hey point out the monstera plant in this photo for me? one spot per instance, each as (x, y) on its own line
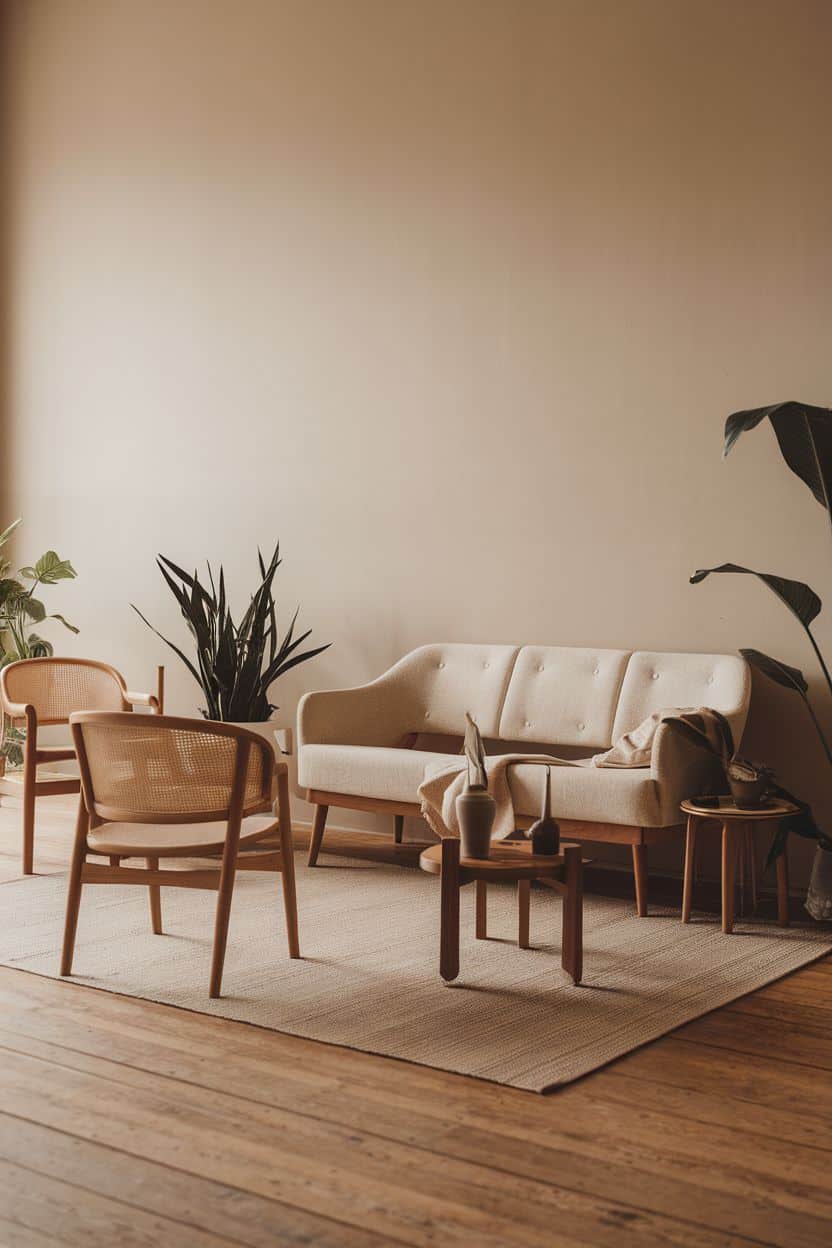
(20, 610)
(804, 436)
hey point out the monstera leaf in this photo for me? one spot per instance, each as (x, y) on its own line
(804, 435)
(790, 678)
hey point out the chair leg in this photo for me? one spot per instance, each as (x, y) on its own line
(224, 895)
(73, 896)
(783, 889)
(572, 946)
(640, 876)
(449, 918)
(155, 899)
(690, 855)
(482, 909)
(398, 832)
(29, 778)
(524, 896)
(287, 868)
(317, 834)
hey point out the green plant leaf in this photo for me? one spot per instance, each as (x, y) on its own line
(65, 622)
(801, 600)
(6, 534)
(10, 591)
(37, 647)
(804, 435)
(780, 673)
(51, 568)
(34, 609)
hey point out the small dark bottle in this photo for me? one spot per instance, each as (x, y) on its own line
(544, 834)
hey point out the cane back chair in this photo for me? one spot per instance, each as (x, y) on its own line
(37, 692)
(159, 787)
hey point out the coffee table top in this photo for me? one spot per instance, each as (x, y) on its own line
(773, 808)
(507, 860)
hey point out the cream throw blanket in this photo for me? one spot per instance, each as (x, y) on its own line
(443, 782)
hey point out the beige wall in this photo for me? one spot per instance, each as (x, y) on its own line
(451, 296)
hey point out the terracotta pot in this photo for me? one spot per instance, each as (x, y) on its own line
(475, 810)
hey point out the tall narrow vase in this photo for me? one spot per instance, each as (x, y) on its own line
(475, 811)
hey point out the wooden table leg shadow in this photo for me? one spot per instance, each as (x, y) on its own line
(509, 861)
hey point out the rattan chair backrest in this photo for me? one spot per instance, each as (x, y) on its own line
(162, 769)
(56, 687)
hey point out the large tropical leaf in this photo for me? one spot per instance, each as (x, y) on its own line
(804, 435)
(781, 673)
(64, 621)
(802, 601)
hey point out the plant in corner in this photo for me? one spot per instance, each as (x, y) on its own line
(19, 610)
(804, 436)
(234, 664)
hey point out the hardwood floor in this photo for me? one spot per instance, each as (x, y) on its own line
(127, 1123)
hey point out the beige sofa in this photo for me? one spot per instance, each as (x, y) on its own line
(362, 747)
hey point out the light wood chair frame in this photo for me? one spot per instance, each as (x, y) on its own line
(33, 754)
(268, 853)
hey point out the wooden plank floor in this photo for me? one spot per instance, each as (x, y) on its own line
(128, 1123)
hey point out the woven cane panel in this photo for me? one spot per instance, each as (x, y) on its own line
(161, 770)
(58, 689)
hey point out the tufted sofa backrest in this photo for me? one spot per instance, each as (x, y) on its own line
(655, 681)
(562, 695)
(444, 681)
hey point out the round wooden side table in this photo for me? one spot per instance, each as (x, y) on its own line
(738, 826)
(508, 861)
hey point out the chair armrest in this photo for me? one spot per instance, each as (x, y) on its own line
(142, 699)
(16, 710)
(681, 769)
(374, 714)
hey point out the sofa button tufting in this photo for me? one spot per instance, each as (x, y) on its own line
(710, 680)
(540, 667)
(654, 676)
(596, 671)
(582, 727)
(440, 665)
(486, 663)
(527, 724)
(427, 714)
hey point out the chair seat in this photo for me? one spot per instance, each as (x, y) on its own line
(160, 840)
(367, 771)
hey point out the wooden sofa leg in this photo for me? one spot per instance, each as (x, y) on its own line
(317, 834)
(640, 876)
(399, 828)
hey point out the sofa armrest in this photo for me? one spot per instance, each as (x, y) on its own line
(378, 713)
(681, 769)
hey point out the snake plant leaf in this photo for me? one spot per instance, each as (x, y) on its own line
(801, 600)
(780, 673)
(804, 435)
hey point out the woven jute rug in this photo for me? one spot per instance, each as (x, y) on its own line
(369, 976)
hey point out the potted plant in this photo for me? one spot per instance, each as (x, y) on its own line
(20, 609)
(804, 436)
(747, 780)
(234, 664)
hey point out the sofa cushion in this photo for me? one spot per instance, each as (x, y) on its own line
(563, 695)
(594, 794)
(366, 770)
(654, 680)
(444, 681)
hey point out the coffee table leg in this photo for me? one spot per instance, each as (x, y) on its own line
(783, 889)
(572, 956)
(482, 909)
(449, 919)
(690, 854)
(524, 896)
(729, 864)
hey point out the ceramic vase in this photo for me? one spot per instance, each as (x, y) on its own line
(544, 833)
(475, 811)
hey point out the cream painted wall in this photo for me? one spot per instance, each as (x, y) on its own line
(452, 297)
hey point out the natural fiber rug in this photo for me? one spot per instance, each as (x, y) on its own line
(369, 975)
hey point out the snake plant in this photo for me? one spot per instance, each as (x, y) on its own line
(234, 664)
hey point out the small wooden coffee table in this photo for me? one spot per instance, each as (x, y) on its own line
(509, 861)
(738, 826)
